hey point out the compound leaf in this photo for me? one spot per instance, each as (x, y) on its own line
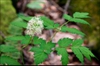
(39, 55)
(77, 20)
(88, 51)
(64, 55)
(42, 50)
(78, 53)
(85, 53)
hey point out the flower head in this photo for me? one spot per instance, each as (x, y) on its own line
(35, 26)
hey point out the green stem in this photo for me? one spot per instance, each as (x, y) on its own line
(64, 24)
(53, 36)
(21, 51)
(57, 31)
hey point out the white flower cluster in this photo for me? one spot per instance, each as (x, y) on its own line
(35, 26)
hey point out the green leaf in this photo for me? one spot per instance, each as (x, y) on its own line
(36, 49)
(14, 30)
(56, 25)
(67, 17)
(37, 40)
(72, 30)
(26, 40)
(64, 55)
(35, 5)
(77, 42)
(15, 38)
(47, 22)
(49, 45)
(43, 48)
(64, 42)
(78, 53)
(85, 53)
(80, 15)
(6, 60)
(49, 27)
(46, 46)
(80, 21)
(19, 23)
(39, 57)
(64, 28)
(7, 48)
(15, 55)
(24, 17)
(42, 42)
(88, 51)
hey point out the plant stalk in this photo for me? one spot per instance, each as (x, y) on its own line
(57, 31)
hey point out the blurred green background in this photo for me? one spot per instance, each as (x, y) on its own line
(7, 14)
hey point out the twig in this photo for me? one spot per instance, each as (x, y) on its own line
(66, 6)
(64, 24)
(52, 36)
(59, 8)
